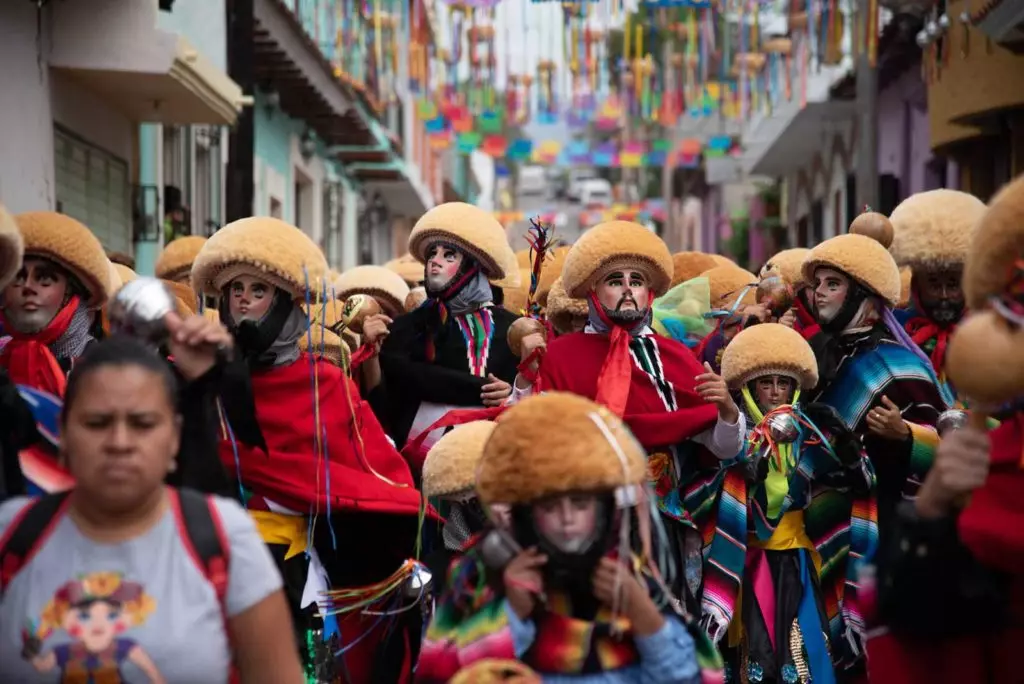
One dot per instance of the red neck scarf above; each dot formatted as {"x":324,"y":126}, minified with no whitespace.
{"x":922,"y":329}
{"x":617,"y":370}
{"x":27,"y":357}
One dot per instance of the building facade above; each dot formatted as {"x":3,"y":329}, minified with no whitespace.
{"x":975,"y":84}
{"x":75,"y":95}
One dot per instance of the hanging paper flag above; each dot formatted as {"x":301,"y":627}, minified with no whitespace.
{"x":501,"y":170}
{"x":494,"y":145}
{"x":547,"y":152}
{"x":688,"y":161}
{"x":467,"y":142}
{"x":689,"y":147}
{"x":426,"y":109}
{"x":606,"y":154}
{"x":438,"y":124}
{"x":463,"y":125}
{"x":439,"y":141}
{"x":547,"y":117}
{"x":632,"y":155}
{"x":658,"y":154}
{"x":578,"y":152}
{"x":489,"y":121}
{"x":718,"y":146}
{"x":579,"y":118}
{"x":454,"y":110}
{"x":521,"y":149}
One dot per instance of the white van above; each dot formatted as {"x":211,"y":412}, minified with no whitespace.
{"x":596,"y":193}
{"x":532,"y":181}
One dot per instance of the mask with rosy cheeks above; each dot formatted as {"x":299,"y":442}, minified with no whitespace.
{"x":37,"y":294}
{"x":830,"y":290}
{"x":625,"y":295}
{"x":567,"y":522}
{"x":249,"y":299}
{"x":442,"y":265}
{"x":773,"y":391}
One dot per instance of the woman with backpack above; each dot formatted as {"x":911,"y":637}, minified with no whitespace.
{"x":123,"y":578}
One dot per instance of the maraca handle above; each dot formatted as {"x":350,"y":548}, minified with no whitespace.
{"x":979,"y":421}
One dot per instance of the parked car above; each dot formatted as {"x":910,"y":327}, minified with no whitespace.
{"x":596,"y":193}
{"x":532,"y":181}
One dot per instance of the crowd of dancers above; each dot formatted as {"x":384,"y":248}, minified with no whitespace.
{"x":596,"y":462}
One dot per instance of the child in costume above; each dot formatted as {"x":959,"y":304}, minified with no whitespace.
{"x":808,"y":516}
{"x":562,"y":588}
{"x":331,"y":496}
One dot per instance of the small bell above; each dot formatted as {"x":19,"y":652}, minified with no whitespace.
{"x":783,"y":428}
{"x":139,"y":309}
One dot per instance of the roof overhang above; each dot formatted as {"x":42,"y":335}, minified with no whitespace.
{"x":287,"y":61}
{"x":404,"y":195}
{"x":1001,"y":20}
{"x":166,"y":80}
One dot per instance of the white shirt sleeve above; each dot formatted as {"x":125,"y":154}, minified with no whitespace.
{"x":725,"y":440}
{"x":518,"y":394}
{"x":252,"y":574}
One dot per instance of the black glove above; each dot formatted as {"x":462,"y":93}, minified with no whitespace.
{"x":844,"y":441}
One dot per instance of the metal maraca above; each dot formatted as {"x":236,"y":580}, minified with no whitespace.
{"x":783,"y":428}
{"x":139,"y":309}
{"x":950,"y":420}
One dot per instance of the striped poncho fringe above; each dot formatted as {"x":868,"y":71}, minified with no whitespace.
{"x":470,"y":624}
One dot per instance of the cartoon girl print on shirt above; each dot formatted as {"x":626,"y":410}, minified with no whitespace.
{"x":95,"y":611}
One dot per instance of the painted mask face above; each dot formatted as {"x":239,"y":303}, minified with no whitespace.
{"x":568,"y":522}
{"x":624,"y":293}
{"x":773,"y":391}
{"x":443,"y":264}
{"x":830,"y":290}
{"x":249,"y":298}
{"x":37,"y":294}
{"x":940,"y":294}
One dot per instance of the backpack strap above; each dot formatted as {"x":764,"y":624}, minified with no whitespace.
{"x":27,"y":533}
{"x":202,"y":533}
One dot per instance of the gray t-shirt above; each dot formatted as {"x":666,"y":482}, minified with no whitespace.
{"x":139,"y":611}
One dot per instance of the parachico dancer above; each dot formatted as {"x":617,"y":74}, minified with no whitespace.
{"x":876,"y":378}
{"x":682,"y":413}
{"x":931,"y":234}
{"x":563,"y":588}
{"x":802,"y":501}
{"x":331,"y":497}
{"x":949,"y":587}
{"x":451,"y":352}
{"x":48,"y":310}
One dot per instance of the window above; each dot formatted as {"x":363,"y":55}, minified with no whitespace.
{"x":303,"y":203}
{"x":178,"y":168}
{"x":332,"y":218}
{"x":92,"y":186}
{"x":276,"y":209}
{"x":208,"y":165}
